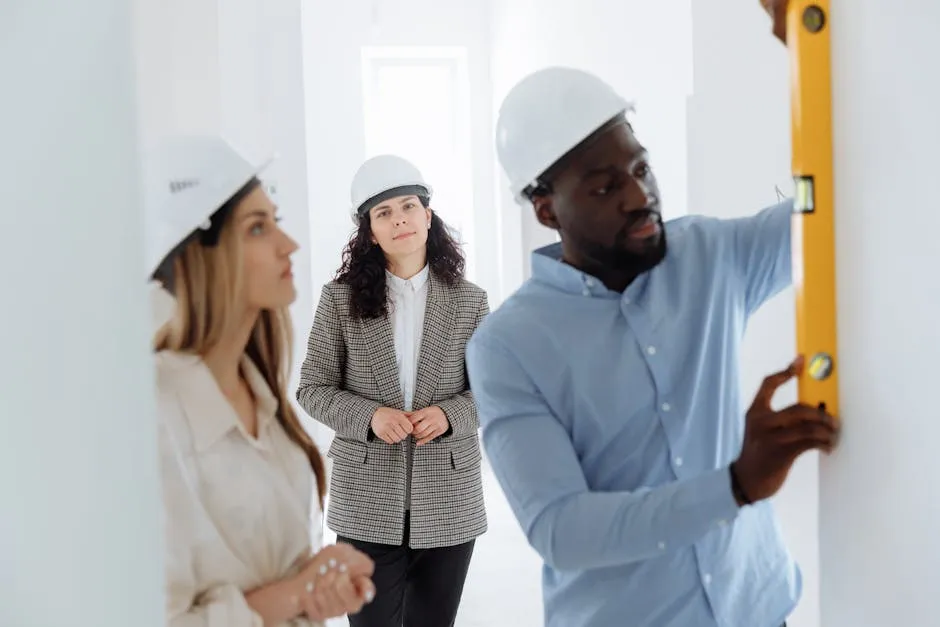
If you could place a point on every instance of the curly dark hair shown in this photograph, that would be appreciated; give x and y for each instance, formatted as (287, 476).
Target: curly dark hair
(364, 265)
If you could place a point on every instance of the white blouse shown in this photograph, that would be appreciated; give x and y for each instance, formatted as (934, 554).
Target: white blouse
(240, 512)
(408, 301)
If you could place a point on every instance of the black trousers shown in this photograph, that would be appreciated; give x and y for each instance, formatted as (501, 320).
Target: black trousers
(413, 587)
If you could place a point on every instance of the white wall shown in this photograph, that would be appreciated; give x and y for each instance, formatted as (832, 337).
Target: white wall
(80, 520)
(176, 51)
(879, 509)
(516, 50)
(739, 149)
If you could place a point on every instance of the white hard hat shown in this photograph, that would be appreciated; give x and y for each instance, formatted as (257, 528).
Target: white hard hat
(545, 115)
(186, 180)
(383, 177)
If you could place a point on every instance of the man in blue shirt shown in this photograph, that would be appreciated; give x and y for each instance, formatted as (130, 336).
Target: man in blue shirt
(608, 385)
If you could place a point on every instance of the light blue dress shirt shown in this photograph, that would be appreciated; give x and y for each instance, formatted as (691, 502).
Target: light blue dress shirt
(610, 420)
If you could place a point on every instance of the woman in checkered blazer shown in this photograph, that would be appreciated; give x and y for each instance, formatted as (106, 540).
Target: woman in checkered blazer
(385, 370)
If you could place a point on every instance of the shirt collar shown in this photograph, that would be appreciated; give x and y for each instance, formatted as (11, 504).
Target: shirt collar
(400, 285)
(265, 399)
(548, 268)
(208, 411)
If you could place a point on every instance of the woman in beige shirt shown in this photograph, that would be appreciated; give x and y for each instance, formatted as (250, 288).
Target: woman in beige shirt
(239, 471)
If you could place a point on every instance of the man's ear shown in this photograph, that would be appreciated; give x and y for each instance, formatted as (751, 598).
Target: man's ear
(545, 212)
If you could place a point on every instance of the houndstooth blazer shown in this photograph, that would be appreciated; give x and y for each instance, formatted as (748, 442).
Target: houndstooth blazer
(350, 372)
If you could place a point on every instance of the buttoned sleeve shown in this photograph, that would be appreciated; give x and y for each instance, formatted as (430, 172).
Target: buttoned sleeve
(761, 253)
(321, 377)
(460, 409)
(570, 525)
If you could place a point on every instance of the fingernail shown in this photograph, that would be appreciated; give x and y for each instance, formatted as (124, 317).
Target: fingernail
(332, 563)
(342, 568)
(323, 569)
(370, 595)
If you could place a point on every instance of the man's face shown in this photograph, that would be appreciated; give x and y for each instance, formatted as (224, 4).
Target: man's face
(605, 205)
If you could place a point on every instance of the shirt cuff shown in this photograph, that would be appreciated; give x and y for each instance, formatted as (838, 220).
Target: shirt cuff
(711, 494)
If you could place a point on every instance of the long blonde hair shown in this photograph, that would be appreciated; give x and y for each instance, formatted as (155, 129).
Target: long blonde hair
(206, 281)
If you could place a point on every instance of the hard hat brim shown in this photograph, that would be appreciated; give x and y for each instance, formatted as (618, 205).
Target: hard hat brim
(518, 188)
(421, 190)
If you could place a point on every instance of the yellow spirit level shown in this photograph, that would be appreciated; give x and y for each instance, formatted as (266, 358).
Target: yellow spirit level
(814, 271)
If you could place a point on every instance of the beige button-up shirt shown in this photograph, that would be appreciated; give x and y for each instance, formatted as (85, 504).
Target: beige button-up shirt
(240, 511)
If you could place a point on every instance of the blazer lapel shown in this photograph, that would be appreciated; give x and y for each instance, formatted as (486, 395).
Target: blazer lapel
(435, 340)
(378, 334)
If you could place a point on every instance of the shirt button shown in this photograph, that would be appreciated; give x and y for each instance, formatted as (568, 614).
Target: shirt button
(707, 579)
(662, 546)
(678, 461)
(666, 406)
(586, 292)
(651, 350)
(626, 301)
(589, 282)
